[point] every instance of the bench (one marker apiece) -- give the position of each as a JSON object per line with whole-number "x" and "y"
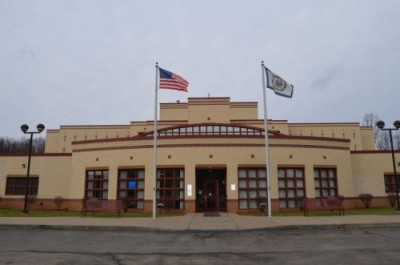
{"x": 321, "y": 204}
{"x": 95, "y": 205}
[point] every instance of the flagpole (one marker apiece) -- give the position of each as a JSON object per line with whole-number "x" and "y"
{"x": 155, "y": 144}
{"x": 266, "y": 138}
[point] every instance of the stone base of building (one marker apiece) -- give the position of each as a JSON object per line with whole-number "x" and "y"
{"x": 190, "y": 205}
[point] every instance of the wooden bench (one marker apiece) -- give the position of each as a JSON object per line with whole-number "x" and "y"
{"x": 96, "y": 205}
{"x": 323, "y": 204}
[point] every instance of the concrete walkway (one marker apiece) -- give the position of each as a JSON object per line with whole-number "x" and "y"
{"x": 197, "y": 221}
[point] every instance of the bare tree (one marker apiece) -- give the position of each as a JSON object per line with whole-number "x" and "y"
{"x": 396, "y": 139}
{"x": 11, "y": 145}
{"x": 382, "y": 138}
{"x": 382, "y": 141}
{"x": 370, "y": 119}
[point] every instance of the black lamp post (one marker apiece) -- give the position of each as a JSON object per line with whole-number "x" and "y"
{"x": 381, "y": 125}
{"x": 24, "y": 129}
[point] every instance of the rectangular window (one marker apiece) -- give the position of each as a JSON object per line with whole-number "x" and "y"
{"x": 96, "y": 185}
{"x": 291, "y": 185}
{"x": 131, "y": 186}
{"x": 325, "y": 180}
{"x": 171, "y": 188}
{"x": 17, "y": 186}
{"x": 252, "y": 187}
{"x": 390, "y": 183}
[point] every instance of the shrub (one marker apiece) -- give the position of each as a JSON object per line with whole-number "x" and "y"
{"x": 31, "y": 201}
{"x": 366, "y": 199}
{"x": 58, "y": 201}
{"x": 262, "y": 203}
{"x": 392, "y": 199}
{"x": 125, "y": 204}
{"x": 300, "y": 203}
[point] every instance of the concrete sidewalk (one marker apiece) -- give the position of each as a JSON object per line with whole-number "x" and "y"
{"x": 197, "y": 221}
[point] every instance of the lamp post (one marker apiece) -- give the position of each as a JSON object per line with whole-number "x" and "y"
{"x": 396, "y": 124}
{"x": 24, "y": 129}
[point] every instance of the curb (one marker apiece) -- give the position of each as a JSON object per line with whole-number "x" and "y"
{"x": 144, "y": 229}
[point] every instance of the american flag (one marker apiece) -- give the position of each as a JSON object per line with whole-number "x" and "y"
{"x": 170, "y": 80}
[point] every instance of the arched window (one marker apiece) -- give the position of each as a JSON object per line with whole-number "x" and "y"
{"x": 209, "y": 130}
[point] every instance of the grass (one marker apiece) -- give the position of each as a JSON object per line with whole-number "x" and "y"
{"x": 62, "y": 213}
{"x": 370, "y": 211}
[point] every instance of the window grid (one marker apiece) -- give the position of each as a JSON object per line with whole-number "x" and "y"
{"x": 325, "y": 180}
{"x": 252, "y": 187}
{"x": 210, "y": 130}
{"x": 291, "y": 187}
{"x": 390, "y": 183}
{"x": 17, "y": 186}
{"x": 171, "y": 188}
{"x": 96, "y": 184}
{"x": 131, "y": 187}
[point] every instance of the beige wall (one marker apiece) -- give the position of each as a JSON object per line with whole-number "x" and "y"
{"x": 209, "y": 110}
{"x": 229, "y": 153}
{"x": 174, "y": 112}
{"x": 352, "y": 131}
{"x": 306, "y": 145}
{"x": 53, "y": 171}
{"x": 243, "y": 111}
{"x": 367, "y": 138}
{"x": 369, "y": 169}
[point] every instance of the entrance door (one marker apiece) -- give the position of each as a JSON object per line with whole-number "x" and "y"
{"x": 211, "y": 195}
{"x": 210, "y": 190}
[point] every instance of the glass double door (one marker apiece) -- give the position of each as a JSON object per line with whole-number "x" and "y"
{"x": 210, "y": 190}
{"x": 211, "y": 195}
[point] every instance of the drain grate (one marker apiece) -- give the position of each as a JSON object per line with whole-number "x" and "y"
{"x": 211, "y": 215}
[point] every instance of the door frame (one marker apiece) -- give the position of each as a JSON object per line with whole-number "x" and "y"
{"x": 214, "y": 195}
{"x": 217, "y": 175}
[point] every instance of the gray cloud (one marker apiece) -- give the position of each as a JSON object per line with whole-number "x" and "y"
{"x": 92, "y": 61}
{"x": 326, "y": 77}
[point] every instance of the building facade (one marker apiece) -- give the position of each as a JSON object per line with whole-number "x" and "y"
{"x": 211, "y": 157}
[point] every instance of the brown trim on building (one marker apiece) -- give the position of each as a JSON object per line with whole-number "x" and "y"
{"x": 210, "y": 166}
{"x": 205, "y": 145}
{"x": 291, "y": 165}
{"x": 309, "y": 146}
{"x": 374, "y": 152}
{"x": 325, "y": 166}
{"x": 282, "y": 136}
{"x": 132, "y": 167}
{"x": 251, "y": 166}
{"x": 97, "y": 168}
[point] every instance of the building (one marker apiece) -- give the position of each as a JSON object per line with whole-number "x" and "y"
{"x": 211, "y": 157}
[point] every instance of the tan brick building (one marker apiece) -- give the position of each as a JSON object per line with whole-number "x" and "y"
{"x": 211, "y": 157}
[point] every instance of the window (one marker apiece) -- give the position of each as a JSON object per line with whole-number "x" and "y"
{"x": 291, "y": 187}
{"x": 16, "y": 186}
{"x": 325, "y": 182}
{"x": 252, "y": 187}
{"x": 170, "y": 188}
{"x": 96, "y": 184}
{"x": 131, "y": 186}
{"x": 390, "y": 183}
{"x": 209, "y": 130}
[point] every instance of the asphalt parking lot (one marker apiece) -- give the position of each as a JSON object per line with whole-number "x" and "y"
{"x": 379, "y": 245}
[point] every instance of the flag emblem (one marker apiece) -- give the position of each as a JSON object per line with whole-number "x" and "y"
{"x": 169, "y": 80}
{"x": 278, "y": 84}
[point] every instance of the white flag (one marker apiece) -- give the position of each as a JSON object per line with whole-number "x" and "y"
{"x": 278, "y": 84}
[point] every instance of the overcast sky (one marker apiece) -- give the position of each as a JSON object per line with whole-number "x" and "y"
{"x": 93, "y": 61}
